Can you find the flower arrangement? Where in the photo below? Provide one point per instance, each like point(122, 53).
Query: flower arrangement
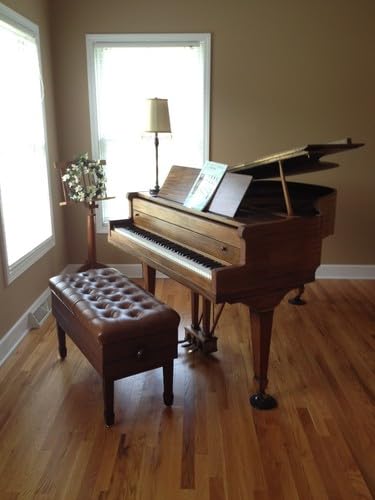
point(85, 179)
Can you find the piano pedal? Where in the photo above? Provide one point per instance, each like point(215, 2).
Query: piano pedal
point(192, 349)
point(188, 344)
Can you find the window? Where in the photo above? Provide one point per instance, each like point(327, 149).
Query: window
point(26, 224)
point(124, 71)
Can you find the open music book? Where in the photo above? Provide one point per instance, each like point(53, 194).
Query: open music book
point(205, 185)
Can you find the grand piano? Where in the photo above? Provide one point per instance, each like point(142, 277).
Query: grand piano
point(270, 246)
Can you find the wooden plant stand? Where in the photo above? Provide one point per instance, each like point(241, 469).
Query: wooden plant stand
point(91, 262)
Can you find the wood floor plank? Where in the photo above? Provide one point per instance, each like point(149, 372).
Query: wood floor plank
point(211, 444)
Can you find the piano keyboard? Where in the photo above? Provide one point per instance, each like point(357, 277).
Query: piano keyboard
point(183, 256)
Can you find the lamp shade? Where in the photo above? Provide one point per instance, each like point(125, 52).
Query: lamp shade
point(157, 115)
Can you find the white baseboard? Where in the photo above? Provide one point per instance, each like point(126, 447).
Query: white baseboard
point(14, 336)
point(18, 331)
point(338, 272)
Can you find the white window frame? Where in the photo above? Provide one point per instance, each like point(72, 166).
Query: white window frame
point(92, 40)
point(14, 270)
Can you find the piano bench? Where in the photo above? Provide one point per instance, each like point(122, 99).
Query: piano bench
point(120, 328)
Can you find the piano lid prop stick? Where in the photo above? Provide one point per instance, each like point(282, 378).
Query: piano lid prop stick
point(285, 190)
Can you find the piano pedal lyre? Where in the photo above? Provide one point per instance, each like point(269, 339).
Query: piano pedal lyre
point(200, 335)
point(196, 340)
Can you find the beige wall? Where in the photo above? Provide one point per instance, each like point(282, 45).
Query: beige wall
point(16, 298)
point(283, 74)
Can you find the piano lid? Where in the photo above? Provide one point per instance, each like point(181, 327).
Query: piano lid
point(304, 159)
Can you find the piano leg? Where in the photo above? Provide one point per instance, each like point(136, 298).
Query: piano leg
point(149, 274)
point(196, 336)
point(261, 329)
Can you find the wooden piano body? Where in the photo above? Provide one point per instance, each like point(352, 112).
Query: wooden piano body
point(271, 246)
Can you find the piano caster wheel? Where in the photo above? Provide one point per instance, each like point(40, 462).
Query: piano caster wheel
point(297, 301)
point(262, 401)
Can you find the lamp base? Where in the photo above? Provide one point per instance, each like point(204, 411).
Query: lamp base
point(154, 191)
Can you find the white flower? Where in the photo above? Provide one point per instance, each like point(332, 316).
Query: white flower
point(79, 190)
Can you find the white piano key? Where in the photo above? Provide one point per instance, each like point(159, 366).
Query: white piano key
point(169, 253)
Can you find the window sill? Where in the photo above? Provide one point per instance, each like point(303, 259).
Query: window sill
point(15, 270)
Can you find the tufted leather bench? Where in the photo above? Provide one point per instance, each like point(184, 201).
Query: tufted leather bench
point(120, 328)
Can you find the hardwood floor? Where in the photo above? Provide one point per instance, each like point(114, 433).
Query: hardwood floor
point(318, 444)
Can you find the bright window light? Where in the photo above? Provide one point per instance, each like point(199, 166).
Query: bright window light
point(24, 187)
point(125, 71)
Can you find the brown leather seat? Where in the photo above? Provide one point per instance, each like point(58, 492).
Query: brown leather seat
point(121, 328)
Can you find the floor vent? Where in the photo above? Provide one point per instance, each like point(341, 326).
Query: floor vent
point(37, 317)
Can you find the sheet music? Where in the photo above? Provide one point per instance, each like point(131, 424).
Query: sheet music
point(205, 185)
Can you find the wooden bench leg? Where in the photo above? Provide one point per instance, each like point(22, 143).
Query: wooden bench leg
point(108, 390)
point(61, 338)
point(168, 383)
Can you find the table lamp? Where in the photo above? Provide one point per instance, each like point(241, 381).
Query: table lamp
point(157, 120)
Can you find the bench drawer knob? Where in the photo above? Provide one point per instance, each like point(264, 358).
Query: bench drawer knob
point(140, 353)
